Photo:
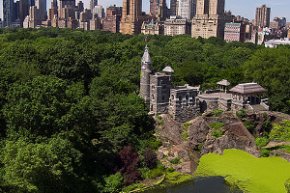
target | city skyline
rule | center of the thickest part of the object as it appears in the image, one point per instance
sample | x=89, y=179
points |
x=245, y=8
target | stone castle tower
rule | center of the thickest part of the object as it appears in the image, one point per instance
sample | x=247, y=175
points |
x=145, y=76
x=131, y=17
x=210, y=19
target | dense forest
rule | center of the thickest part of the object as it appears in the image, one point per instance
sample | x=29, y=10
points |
x=71, y=120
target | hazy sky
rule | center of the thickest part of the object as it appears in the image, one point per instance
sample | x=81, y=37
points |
x=245, y=8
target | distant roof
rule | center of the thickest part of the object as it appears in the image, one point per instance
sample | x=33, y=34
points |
x=224, y=83
x=168, y=69
x=146, y=56
x=248, y=88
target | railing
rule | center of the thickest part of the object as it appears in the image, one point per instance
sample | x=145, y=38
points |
x=265, y=106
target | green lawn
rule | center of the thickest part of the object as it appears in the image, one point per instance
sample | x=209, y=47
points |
x=251, y=174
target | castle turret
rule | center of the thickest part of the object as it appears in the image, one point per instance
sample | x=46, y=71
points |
x=145, y=76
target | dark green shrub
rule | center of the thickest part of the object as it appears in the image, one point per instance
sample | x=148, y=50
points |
x=175, y=160
x=262, y=141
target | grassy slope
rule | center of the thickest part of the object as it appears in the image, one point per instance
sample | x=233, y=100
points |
x=251, y=174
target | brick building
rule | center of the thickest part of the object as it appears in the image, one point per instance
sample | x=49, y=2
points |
x=112, y=20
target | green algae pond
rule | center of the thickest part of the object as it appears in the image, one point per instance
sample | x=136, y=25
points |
x=248, y=173
x=235, y=171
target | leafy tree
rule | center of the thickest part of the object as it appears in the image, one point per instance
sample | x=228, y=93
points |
x=113, y=183
x=150, y=158
x=37, y=106
x=40, y=167
x=130, y=160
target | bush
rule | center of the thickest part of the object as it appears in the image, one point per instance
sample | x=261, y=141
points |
x=177, y=178
x=241, y=114
x=216, y=125
x=150, y=158
x=262, y=141
x=250, y=126
x=113, y=183
x=185, y=132
x=217, y=133
x=154, y=173
x=217, y=112
x=175, y=160
x=265, y=153
x=281, y=132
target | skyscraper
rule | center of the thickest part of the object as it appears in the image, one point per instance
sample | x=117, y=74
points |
x=41, y=6
x=173, y=7
x=186, y=8
x=52, y=10
x=158, y=9
x=263, y=16
x=210, y=19
x=8, y=12
x=23, y=9
x=131, y=17
x=93, y=3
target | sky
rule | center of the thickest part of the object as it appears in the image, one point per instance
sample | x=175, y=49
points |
x=245, y=8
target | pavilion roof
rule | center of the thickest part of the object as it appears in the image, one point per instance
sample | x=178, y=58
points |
x=248, y=88
x=168, y=69
x=224, y=83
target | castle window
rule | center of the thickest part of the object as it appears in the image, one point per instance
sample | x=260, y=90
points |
x=152, y=96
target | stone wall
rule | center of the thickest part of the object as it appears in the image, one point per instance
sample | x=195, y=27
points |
x=160, y=85
x=183, y=104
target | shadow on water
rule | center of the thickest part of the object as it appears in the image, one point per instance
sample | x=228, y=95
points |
x=200, y=185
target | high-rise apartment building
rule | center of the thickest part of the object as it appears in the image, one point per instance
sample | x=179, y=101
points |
x=173, y=7
x=93, y=3
x=176, y=26
x=98, y=11
x=131, y=17
x=23, y=9
x=52, y=11
x=158, y=9
x=8, y=12
x=41, y=6
x=263, y=16
x=210, y=19
x=186, y=8
x=112, y=20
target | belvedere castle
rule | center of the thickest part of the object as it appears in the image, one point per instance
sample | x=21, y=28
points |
x=183, y=103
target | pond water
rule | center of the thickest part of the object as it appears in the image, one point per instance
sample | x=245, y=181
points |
x=200, y=185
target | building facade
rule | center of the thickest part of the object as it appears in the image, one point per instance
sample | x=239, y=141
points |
x=8, y=13
x=112, y=20
x=93, y=3
x=210, y=19
x=151, y=28
x=176, y=26
x=234, y=32
x=161, y=97
x=131, y=17
x=41, y=6
x=173, y=4
x=186, y=9
x=158, y=9
x=263, y=16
